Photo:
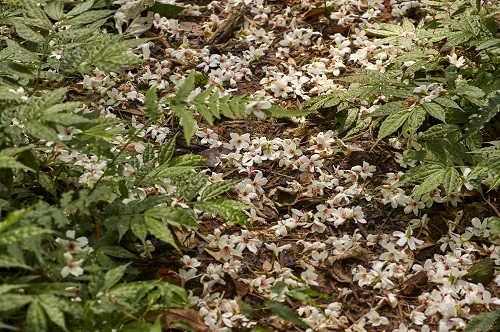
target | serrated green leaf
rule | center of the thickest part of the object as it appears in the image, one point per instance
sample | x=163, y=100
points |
x=74, y=33
x=21, y=53
x=282, y=112
x=483, y=322
x=65, y=119
x=451, y=180
x=80, y=8
x=34, y=15
x=189, y=184
x=14, y=301
x=440, y=130
x=213, y=105
x=64, y=107
x=224, y=107
x=41, y=131
x=27, y=33
x=151, y=103
x=169, y=172
x=54, y=314
x=446, y=102
x=21, y=234
x=166, y=151
x=187, y=160
x=148, y=154
x=217, y=188
x=10, y=262
x=420, y=172
x=161, y=231
x=117, y=251
x=10, y=162
x=138, y=227
x=35, y=318
x=435, y=110
x=484, y=115
x=178, y=215
x=430, y=183
x=166, y=10
x=284, y=312
x=228, y=209
x=42, y=103
x=470, y=91
x=245, y=308
x=55, y=10
x=416, y=119
x=11, y=219
x=112, y=277
x=47, y=183
x=392, y=123
x=188, y=121
x=89, y=17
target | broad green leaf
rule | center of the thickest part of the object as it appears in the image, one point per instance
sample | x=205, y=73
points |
x=430, y=183
x=55, y=10
x=5, y=288
x=89, y=17
x=161, y=231
x=178, y=215
x=483, y=322
x=138, y=227
x=10, y=162
x=245, y=308
x=435, y=110
x=112, y=277
x=166, y=151
x=58, y=108
x=420, y=172
x=184, y=90
x=392, y=123
x=213, y=104
x=29, y=34
x=189, y=184
x=47, y=100
x=228, y=209
x=74, y=33
x=7, y=94
x=21, y=234
x=446, y=102
x=470, y=91
x=451, y=180
x=7, y=261
x=41, y=131
x=217, y=188
x=151, y=103
x=21, y=53
x=440, y=130
x=11, y=219
x=80, y=8
x=485, y=114
x=35, y=318
x=54, y=314
x=148, y=154
x=187, y=160
x=66, y=119
x=117, y=251
x=47, y=183
x=15, y=301
x=416, y=119
x=165, y=10
x=34, y=15
x=284, y=312
x=224, y=107
x=188, y=121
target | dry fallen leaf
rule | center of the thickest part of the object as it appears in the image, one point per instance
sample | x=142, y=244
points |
x=267, y=266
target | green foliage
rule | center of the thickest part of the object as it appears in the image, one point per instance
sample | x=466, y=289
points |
x=442, y=103
x=70, y=228
x=486, y=321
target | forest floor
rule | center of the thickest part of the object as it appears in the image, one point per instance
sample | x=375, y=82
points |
x=326, y=215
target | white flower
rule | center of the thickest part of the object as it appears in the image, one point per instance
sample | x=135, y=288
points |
x=407, y=238
x=309, y=277
x=72, y=267
x=454, y=61
x=78, y=245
